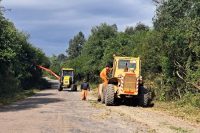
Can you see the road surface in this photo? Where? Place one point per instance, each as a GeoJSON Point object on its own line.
{"type": "Point", "coordinates": [50, 111]}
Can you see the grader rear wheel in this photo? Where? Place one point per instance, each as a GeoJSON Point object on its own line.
{"type": "Point", "coordinates": [110, 95]}
{"type": "Point", "coordinates": [143, 97]}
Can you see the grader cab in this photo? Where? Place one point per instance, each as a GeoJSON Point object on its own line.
{"type": "Point", "coordinates": [125, 82]}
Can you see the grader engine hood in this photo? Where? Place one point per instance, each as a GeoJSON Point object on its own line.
{"type": "Point", "coordinates": [129, 84]}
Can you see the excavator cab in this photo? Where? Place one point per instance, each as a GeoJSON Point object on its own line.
{"type": "Point", "coordinates": [67, 79]}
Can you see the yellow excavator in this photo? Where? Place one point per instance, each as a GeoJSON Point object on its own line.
{"type": "Point", "coordinates": [66, 78]}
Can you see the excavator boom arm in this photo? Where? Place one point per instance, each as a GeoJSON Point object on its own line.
{"type": "Point", "coordinates": [49, 71]}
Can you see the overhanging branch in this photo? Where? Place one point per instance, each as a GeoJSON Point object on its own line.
{"type": "Point", "coordinates": [193, 84]}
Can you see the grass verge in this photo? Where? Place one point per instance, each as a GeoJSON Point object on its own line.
{"type": "Point", "coordinates": [179, 129]}
{"type": "Point", "coordinates": [186, 112]}
{"type": "Point", "coordinates": [18, 96]}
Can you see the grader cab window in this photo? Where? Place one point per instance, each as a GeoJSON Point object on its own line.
{"type": "Point", "coordinates": [126, 64]}
{"type": "Point", "coordinates": [67, 73]}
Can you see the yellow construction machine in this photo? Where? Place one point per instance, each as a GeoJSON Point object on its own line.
{"type": "Point", "coordinates": [67, 79]}
{"type": "Point", "coordinates": [125, 83]}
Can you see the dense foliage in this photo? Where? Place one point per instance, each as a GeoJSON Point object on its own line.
{"type": "Point", "coordinates": [178, 22]}
{"type": "Point", "coordinates": [18, 60]}
{"type": "Point", "coordinates": [170, 51]}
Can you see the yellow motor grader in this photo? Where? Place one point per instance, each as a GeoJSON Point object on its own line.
{"type": "Point", "coordinates": [125, 83]}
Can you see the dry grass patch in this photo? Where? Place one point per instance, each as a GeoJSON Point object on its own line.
{"type": "Point", "coordinates": [186, 112]}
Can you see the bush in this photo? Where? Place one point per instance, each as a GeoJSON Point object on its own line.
{"type": "Point", "coordinates": [190, 99]}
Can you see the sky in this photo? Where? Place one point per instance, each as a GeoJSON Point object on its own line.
{"type": "Point", "coordinates": [52, 23]}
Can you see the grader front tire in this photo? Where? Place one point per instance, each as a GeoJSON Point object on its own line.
{"type": "Point", "coordinates": [103, 95]}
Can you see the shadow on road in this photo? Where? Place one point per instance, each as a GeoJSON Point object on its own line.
{"type": "Point", "coordinates": [68, 90]}
{"type": "Point", "coordinates": [33, 102]}
{"type": "Point", "coordinates": [43, 94]}
{"type": "Point", "coordinates": [133, 104]}
{"type": "Point", "coordinates": [128, 103]}
{"type": "Point", "coordinates": [49, 83]}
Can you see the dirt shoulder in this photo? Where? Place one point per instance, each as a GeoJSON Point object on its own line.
{"type": "Point", "coordinates": [158, 120]}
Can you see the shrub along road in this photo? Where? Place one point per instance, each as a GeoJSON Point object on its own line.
{"type": "Point", "coordinates": [60, 112]}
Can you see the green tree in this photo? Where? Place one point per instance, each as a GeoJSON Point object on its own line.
{"type": "Point", "coordinates": [17, 60]}
{"type": "Point", "coordinates": [93, 50]}
{"type": "Point", "coordinates": [75, 45]}
{"type": "Point", "coordinates": [139, 27]}
{"type": "Point", "coordinates": [178, 22]}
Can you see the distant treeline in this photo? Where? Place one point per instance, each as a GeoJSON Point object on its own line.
{"type": "Point", "coordinates": [170, 50]}
{"type": "Point", "coordinates": [18, 60]}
